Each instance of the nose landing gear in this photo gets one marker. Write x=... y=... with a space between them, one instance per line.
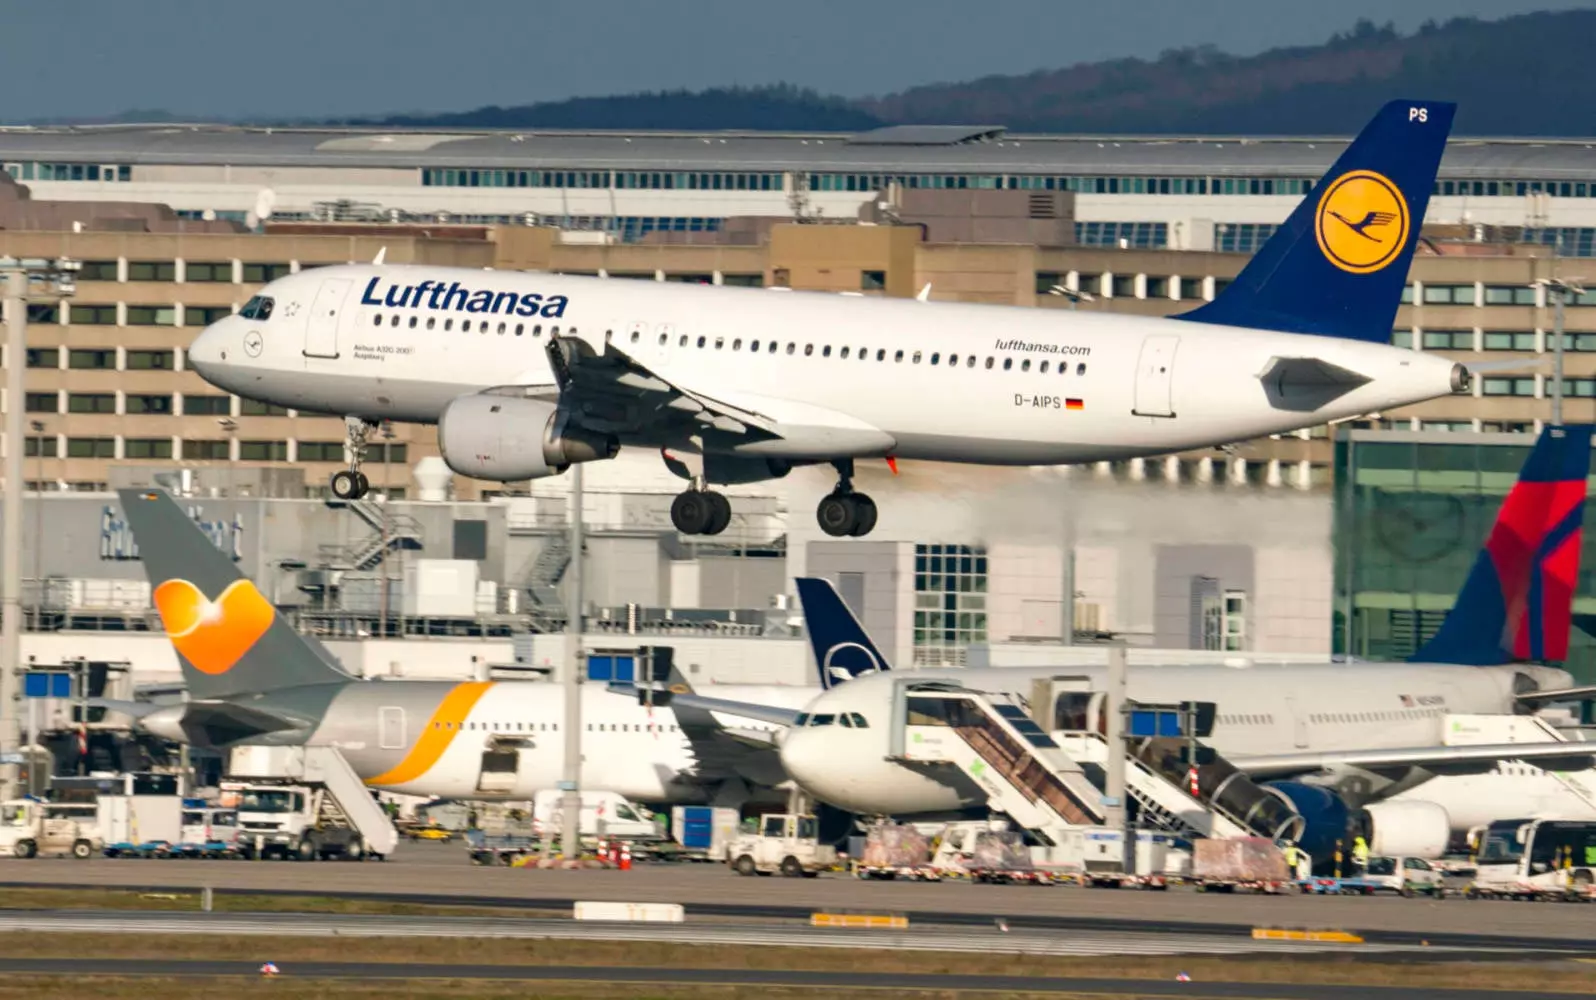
x=352 y=484
x=844 y=513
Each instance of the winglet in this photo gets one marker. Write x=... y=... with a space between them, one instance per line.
x=382 y=255
x=1338 y=265
x=1517 y=603
x=925 y=293
x=842 y=647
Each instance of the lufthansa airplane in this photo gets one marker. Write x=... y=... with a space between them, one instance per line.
x=527 y=373
x=1328 y=738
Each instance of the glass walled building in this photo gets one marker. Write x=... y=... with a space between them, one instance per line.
x=1412 y=510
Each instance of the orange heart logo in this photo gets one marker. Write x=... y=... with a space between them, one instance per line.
x=213 y=635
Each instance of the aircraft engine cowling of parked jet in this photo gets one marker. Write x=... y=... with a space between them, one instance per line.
x=1406 y=829
x=167 y=723
x=507 y=439
x=1326 y=818
x=731 y=470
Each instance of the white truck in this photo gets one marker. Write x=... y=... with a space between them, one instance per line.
x=305 y=803
x=787 y=843
x=31 y=827
x=1536 y=859
x=604 y=814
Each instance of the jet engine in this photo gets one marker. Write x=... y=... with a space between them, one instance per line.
x=1406 y=829
x=731 y=470
x=1326 y=818
x=506 y=439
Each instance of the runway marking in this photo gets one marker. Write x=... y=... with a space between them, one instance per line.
x=439 y=733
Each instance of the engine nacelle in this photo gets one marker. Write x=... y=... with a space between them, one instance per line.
x=506 y=439
x=731 y=470
x=1325 y=816
x=1406 y=829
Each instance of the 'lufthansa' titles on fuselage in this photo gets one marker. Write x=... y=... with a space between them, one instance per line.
x=429 y=294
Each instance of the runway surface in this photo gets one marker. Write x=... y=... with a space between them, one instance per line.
x=989 y=939
x=440 y=873
x=80 y=967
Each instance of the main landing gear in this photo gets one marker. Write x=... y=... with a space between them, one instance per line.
x=844 y=513
x=351 y=483
x=700 y=511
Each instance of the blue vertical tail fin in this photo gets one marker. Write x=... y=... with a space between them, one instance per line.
x=1337 y=266
x=1518 y=601
x=842 y=648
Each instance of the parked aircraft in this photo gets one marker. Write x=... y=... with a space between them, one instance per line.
x=526 y=374
x=1329 y=738
x=252 y=679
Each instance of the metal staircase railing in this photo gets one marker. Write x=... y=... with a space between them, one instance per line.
x=391 y=531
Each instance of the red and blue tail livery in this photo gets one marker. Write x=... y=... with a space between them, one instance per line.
x=1517 y=604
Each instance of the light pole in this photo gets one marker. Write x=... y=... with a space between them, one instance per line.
x=387 y=500
x=38 y=519
x=1558 y=290
x=229 y=427
x=23 y=280
x=571 y=802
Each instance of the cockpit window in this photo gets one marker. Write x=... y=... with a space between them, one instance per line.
x=822 y=719
x=801 y=720
x=858 y=721
x=258 y=307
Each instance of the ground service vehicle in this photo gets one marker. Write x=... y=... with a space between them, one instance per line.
x=31 y=827
x=787 y=843
x=1536 y=859
x=1401 y=875
x=291 y=822
x=208 y=831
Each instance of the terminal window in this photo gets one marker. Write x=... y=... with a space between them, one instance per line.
x=42 y=402
x=151 y=316
x=207 y=406
x=950 y=584
x=208 y=271
x=151 y=360
x=31 y=446
x=83 y=314
x=151 y=270
x=1510 y=340
x=151 y=404
x=94 y=360
x=99 y=270
x=259 y=274
x=44 y=357
x=147 y=448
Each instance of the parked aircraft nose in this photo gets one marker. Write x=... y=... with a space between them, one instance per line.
x=808 y=761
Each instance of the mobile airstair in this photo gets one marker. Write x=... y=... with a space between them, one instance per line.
x=1022 y=770
x=339 y=799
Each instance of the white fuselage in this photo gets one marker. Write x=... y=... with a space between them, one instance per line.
x=1262 y=711
x=637 y=751
x=835 y=376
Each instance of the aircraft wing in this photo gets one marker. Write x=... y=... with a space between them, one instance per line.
x=613 y=393
x=1437 y=759
x=1555 y=695
x=720 y=748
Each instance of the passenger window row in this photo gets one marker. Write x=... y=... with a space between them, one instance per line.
x=482 y=326
x=753 y=346
x=950 y=360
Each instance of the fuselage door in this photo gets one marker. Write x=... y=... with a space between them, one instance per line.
x=391 y=727
x=321 y=334
x=1155 y=374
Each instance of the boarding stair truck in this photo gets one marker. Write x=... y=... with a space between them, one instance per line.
x=1536 y=859
x=304 y=802
x=786 y=842
x=31 y=827
x=992 y=743
x=1176 y=784
x=1474 y=730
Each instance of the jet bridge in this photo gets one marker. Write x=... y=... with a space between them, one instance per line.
x=991 y=740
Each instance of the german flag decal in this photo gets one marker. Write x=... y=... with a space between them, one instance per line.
x=1074 y=404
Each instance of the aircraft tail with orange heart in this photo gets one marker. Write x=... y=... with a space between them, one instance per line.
x=229 y=638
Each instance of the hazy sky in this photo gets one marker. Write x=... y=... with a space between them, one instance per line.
x=222 y=58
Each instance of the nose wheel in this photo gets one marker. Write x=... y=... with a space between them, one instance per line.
x=700 y=512
x=844 y=513
x=351 y=483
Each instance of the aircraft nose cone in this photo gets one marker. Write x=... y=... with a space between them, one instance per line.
x=803 y=758
x=211 y=349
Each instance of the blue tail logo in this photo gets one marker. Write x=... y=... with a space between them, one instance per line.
x=1338 y=264
x=1518 y=601
x=842 y=648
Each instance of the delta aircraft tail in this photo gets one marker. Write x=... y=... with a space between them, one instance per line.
x=1338 y=264
x=228 y=637
x=1517 y=603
